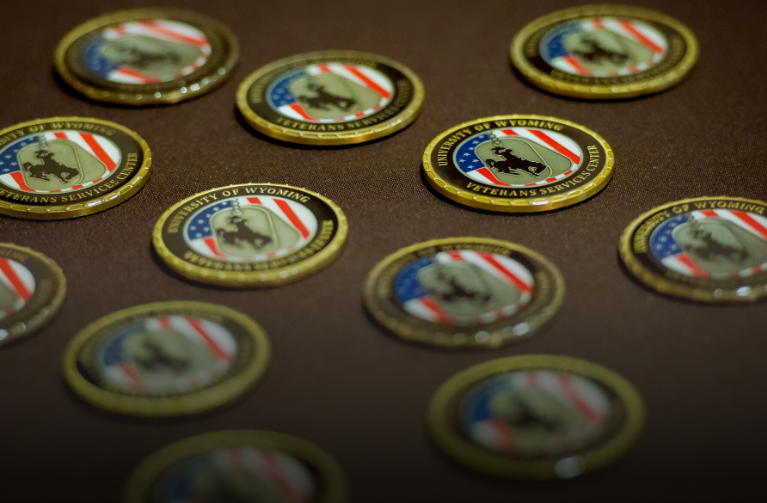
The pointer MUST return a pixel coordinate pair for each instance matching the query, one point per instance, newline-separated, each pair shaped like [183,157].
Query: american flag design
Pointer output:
[558,56]
[237,474]
[17,285]
[168,33]
[200,234]
[207,347]
[101,148]
[664,245]
[535,413]
[472,166]
[422,302]
[282,100]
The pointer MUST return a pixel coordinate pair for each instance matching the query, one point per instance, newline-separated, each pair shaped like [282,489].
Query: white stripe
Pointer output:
[474,258]
[418,309]
[339,69]
[118,76]
[286,110]
[675,264]
[727,215]
[376,77]
[9,181]
[559,138]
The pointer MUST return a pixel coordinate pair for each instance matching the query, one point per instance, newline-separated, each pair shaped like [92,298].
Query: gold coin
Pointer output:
[518,163]
[238,465]
[536,417]
[147,56]
[166,359]
[464,293]
[709,249]
[65,167]
[32,289]
[330,98]
[604,52]
[253,234]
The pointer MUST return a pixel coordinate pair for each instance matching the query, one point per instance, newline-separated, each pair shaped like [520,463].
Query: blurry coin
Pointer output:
[330,98]
[708,249]
[604,52]
[166,359]
[238,466]
[464,292]
[32,289]
[147,56]
[65,167]
[536,417]
[518,163]
[254,234]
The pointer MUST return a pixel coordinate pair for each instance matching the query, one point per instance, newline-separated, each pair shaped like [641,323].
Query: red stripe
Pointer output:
[598,24]
[551,180]
[575,64]
[686,260]
[745,217]
[18,285]
[359,114]
[278,477]
[434,308]
[756,269]
[639,36]
[209,340]
[323,68]
[709,213]
[300,111]
[119,29]
[509,132]
[137,75]
[503,435]
[154,26]
[532,379]
[60,135]
[372,85]
[213,246]
[164,322]
[77,187]
[19,178]
[556,146]
[455,255]
[94,145]
[297,223]
[578,401]
[490,176]
[130,374]
[521,285]
[568,172]
[254,200]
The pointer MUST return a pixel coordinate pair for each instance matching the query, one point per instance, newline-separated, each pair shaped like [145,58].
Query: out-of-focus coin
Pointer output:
[166,359]
[254,234]
[518,163]
[238,465]
[464,292]
[147,56]
[604,52]
[709,249]
[32,289]
[66,167]
[330,98]
[536,417]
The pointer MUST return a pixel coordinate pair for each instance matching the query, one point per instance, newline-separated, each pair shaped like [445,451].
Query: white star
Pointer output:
[206,229]
[475,160]
[461,160]
[466,155]
[193,228]
[475,142]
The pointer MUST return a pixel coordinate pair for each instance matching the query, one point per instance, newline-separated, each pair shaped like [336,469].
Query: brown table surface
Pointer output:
[334,377]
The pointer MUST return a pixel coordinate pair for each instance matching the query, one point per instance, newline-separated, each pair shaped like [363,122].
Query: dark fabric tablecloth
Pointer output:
[335,378]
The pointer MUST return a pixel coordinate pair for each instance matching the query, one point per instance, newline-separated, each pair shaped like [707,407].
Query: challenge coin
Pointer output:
[66,167]
[238,465]
[32,289]
[147,56]
[604,52]
[708,249]
[518,163]
[254,234]
[330,98]
[536,417]
[166,359]
[464,292]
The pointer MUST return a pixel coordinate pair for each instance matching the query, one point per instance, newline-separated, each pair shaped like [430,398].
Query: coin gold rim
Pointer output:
[198,401]
[441,421]
[444,339]
[329,472]
[45,316]
[204,85]
[279,276]
[603,92]
[103,202]
[528,205]
[401,120]
[662,285]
